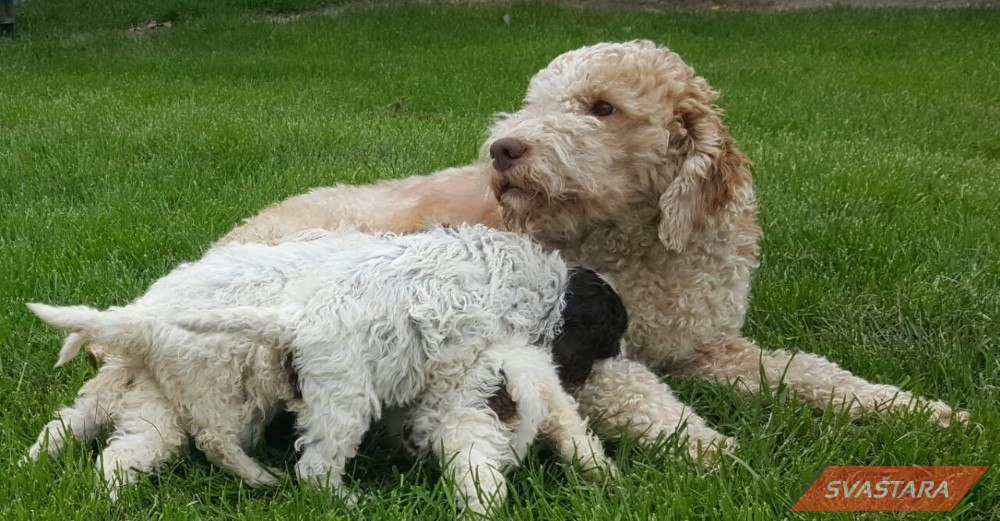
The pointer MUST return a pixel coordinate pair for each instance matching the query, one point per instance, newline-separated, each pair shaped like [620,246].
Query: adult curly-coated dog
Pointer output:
[620,159]
[434,322]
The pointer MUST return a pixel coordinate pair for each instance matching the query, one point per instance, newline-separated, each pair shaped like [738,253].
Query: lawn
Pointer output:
[876,141]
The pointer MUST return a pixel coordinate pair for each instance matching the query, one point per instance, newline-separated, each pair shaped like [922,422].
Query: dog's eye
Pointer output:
[602,108]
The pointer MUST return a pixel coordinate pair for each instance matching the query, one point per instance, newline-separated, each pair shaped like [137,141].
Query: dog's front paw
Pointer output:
[943,416]
[335,492]
[481,504]
[707,451]
[598,470]
[268,477]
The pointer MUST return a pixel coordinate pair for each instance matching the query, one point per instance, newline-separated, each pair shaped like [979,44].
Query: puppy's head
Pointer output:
[594,321]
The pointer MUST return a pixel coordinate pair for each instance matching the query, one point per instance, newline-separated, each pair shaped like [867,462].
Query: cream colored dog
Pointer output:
[620,159]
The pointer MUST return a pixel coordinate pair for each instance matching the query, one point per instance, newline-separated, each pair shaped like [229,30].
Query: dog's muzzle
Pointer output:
[506,152]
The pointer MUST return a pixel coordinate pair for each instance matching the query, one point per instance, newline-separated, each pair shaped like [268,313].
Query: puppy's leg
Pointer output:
[97,400]
[475,449]
[461,426]
[216,423]
[222,447]
[811,378]
[571,436]
[534,386]
[628,398]
[338,405]
[148,433]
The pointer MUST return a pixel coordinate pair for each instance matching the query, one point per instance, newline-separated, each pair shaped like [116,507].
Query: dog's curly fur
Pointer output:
[433,322]
[657,196]
[453,196]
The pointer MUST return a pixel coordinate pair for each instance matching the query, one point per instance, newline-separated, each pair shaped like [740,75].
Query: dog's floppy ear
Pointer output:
[711,173]
[594,320]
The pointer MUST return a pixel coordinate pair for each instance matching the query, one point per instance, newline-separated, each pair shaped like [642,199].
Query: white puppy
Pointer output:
[435,322]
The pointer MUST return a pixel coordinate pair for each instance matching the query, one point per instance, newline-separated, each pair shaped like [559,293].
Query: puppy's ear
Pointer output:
[594,321]
[576,349]
[572,363]
[711,175]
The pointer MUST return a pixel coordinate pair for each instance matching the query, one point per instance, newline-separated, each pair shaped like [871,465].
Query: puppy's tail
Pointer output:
[258,324]
[116,327]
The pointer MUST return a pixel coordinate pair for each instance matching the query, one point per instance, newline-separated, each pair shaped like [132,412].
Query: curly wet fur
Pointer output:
[432,322]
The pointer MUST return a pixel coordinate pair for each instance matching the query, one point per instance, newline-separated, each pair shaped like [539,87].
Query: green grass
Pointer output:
[876,137]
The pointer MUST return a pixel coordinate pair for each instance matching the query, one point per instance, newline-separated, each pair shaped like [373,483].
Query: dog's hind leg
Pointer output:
[97,400]
[148,432]
[216,424]
[479,431]
[337,406]
[222,447]
[569,432]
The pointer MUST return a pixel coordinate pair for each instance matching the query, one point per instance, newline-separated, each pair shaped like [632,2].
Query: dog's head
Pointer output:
[593,322]
[611,132]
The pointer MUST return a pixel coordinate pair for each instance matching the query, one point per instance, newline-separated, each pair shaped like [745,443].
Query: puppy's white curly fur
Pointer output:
[433,322]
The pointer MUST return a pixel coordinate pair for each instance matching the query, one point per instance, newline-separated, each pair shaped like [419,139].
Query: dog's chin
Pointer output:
[513,194]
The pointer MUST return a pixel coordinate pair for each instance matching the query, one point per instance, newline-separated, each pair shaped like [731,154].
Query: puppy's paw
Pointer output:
[26,459]
[270,477]
[341,493]
[334,492]
[944,416]
[608,471]
[598,469]
[113,489]
[477,507]
[34,452]
[116,478]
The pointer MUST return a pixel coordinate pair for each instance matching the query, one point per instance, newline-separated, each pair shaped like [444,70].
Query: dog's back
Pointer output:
[401,300]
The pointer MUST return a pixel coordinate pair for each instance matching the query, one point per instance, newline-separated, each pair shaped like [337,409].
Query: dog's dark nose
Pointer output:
[505,152]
